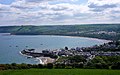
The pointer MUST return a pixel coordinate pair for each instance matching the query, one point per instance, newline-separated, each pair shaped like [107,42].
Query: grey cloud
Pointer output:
[62,17]
[34,1]
[117,11]
[37,0]
[59,8]
[1,8]
[20,7]
[49,14]
[115,15]
[99,8]
[56,16]
[4,8]
[114,18]
[92,5]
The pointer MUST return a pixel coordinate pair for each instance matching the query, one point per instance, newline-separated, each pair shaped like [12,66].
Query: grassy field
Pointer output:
[60,72]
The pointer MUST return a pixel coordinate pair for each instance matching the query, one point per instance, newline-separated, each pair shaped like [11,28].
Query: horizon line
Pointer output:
[57,24]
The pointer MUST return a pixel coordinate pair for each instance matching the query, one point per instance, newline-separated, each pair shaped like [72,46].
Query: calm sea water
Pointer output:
[10,46]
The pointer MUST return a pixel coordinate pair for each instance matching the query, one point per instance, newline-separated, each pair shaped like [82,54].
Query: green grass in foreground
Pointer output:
[60,72]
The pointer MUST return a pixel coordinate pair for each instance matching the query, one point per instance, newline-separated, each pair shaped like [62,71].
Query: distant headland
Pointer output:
[101,31]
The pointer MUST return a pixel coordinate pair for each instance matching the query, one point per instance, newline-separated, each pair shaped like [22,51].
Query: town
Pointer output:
[107,49]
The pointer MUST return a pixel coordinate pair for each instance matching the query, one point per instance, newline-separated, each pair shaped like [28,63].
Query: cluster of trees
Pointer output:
[24,66]
[99,62]
[14,66]
[104,62]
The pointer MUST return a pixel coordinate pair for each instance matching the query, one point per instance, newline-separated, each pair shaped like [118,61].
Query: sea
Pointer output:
[11,45]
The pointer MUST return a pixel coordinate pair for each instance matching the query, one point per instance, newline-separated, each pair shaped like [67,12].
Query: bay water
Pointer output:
[11,45]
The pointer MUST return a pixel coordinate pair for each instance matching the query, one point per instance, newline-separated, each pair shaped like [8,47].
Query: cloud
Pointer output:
[38,0]
[103,2]
[59,12]
[59,8]
[99,8]
[102,6]
[50,0]
[4,7]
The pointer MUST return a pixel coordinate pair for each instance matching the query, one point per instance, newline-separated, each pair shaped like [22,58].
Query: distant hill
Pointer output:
[102,31]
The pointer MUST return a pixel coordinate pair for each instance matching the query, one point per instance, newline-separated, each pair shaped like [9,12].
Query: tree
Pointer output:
[24,66]
[79,65]
[116,66]
[98,59]
[49,66]
[40,66]
[59,66]
[66,48]
[13,64]
[77,59]
[98,65]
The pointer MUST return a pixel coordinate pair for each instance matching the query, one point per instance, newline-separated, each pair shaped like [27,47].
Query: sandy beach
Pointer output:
[42,60]
[45,60]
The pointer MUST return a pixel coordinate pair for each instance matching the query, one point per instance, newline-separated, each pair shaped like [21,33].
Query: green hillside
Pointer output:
[102,31]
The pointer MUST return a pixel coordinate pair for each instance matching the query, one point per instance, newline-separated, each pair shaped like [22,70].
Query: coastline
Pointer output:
[45,60]
[69,36]
[57,35]
[42,60]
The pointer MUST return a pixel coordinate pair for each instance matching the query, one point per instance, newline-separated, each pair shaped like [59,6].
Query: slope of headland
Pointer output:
[100,31]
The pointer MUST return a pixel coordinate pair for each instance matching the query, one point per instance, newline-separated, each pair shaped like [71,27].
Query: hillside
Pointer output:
[102,31]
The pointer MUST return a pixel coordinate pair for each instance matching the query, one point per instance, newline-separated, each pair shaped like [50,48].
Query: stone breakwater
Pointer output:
[43,59]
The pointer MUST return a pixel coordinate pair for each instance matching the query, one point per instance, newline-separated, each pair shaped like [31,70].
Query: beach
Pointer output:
[45,60]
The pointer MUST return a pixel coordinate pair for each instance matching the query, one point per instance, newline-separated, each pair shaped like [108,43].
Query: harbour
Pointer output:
[11,45]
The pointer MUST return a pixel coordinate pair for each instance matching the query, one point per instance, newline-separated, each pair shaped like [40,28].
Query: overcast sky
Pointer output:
[45,12]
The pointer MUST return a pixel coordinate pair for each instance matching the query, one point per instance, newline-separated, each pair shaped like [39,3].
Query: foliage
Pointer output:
[49,66]
[105,62]
[116,65]
[77,59]
[99,62]
[110,31]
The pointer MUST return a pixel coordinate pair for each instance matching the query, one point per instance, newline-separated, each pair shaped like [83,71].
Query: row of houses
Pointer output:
[70,52]
[88,52]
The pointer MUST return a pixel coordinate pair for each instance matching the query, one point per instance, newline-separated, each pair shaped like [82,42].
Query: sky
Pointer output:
[58,12]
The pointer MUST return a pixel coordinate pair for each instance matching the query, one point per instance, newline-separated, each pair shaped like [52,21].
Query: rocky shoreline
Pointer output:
[43,59]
